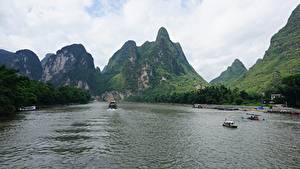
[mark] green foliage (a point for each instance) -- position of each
(117, 82)
(67, 94)
(290, 89)
(17, 91)
(208, 95)
(179, 84)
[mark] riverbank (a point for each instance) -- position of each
(274, 109)
(228, 107)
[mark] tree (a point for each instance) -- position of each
(290, 88)
(17, 91)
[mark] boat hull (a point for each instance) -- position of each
(230, 126)
(28, 108)
(112, 107)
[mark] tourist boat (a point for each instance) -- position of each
(253, 116)
(28, 108)
(230, 124)
(112, 105)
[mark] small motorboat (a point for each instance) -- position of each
(112, 105)
(230, 124)
(253, 116)
(28, 108)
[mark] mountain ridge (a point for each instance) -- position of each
(159, 66)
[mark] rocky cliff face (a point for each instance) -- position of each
(159, 63)
(71, 65)
(24, 61)
(280, 60)
(231, 74)
(47, 56)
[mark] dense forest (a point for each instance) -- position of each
(289, 87)
(216, 94)
(17, 91)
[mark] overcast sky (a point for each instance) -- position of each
(212, 33)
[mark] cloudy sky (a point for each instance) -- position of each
(212, 33)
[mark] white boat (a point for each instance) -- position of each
(229, 123)
(27, 108)
(252, 116)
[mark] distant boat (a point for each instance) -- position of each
(230, 124)
(112, 105)
(27, 108)
(253, 116)
(260, 108)
(295, 113)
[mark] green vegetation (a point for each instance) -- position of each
(281, 59)
(17, 91)
(180, 84)
(289, 87)
(210, 95)
(159, 66)
(231, 74)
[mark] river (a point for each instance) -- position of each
(147, 136)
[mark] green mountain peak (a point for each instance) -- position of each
(237, 62)
(158, 66)
(129, 43)
(231, 74)
(162, 34)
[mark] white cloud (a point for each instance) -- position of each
(212, 32)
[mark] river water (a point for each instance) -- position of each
(147, 136)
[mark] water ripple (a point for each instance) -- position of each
(147, 136)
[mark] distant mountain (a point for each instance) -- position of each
(280, 60)
(231, 74)
(159, 66)
(44, 60)
(24, 61)
(71, 65)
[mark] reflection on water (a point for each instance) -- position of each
(147, 136)
(71, 150)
